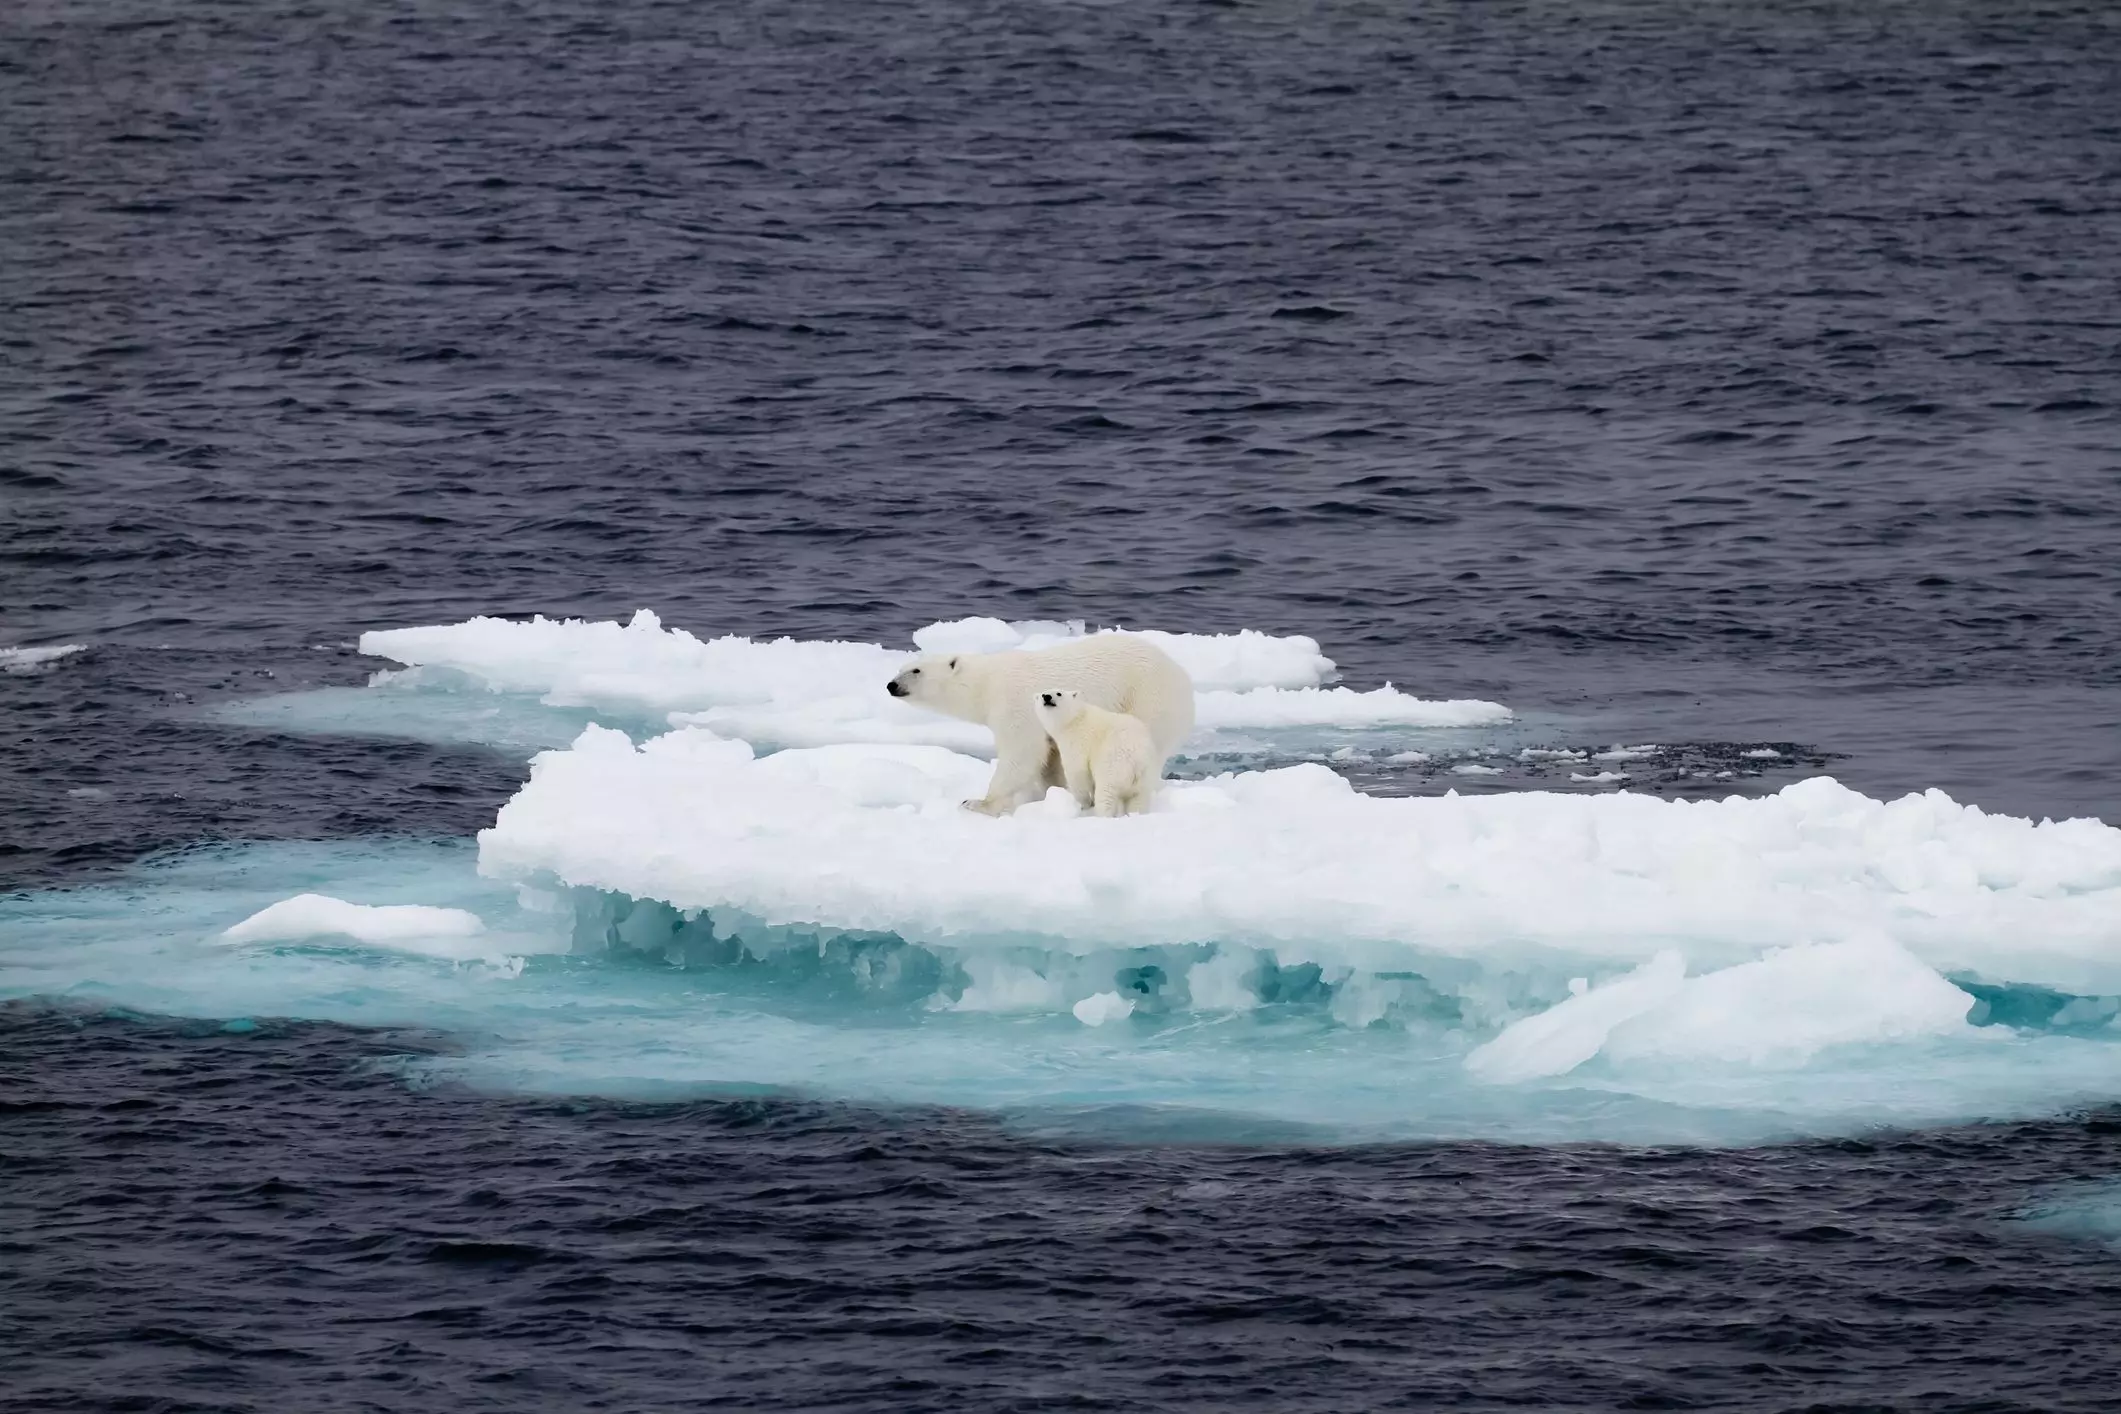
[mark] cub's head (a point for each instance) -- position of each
(933, 679)
(1058, 706)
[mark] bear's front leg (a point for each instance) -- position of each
(1076, 770)
(1011, 785)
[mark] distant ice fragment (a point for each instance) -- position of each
(1385, 706)
(1764, 753)
(1407, 758)
(1103, 1007)
(321, 916)
(1474, 768)
(1627, 753)
(1601, 778)
(21, 662)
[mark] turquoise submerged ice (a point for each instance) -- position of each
(678, 911)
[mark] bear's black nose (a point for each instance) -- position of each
(895, 688)
(1046, 697)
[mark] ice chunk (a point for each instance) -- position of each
(1339, 707)
(1599, 778)
(1627, 753)
(1558, 1040)
(640, 666)
(321, 916)
(1298, 861)
(1407, 758)
(1778, 1010)
(790, 693)
(1224, 1038)
(20, 662)
(1786, 1007)
(1763, 753)
(1474, 768)
(1104, 1007)
(2087, 1211)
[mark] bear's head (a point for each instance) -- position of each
(932, 680)
(1057, 706)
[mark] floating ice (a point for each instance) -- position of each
(1558, 1040)
(1339, 707)
(790, 693)
(1474, 768)
(1627, 753)
(321, 916)
(20, 662)
(1781, 1009)
(2087, 1212)
(588, 992)
(1103, 1007)
(684, 912)
(1600, 777)
(873, 838)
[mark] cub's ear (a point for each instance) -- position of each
(953, 665)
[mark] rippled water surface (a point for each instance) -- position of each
(1698, 374)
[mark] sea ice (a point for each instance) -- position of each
(321, 916)
(1103, 1007)
(21, 662)
(1780, 1009)
(1296, 861)
(1344, 707)
(1223, 1039)
(790, 693)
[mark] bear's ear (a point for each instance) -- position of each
(953, 665)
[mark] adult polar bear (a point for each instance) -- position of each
(1116, 671)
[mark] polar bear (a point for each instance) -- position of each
(1109, 759)
(1116, 671)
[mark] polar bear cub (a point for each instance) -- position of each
(1108, 759)
(1119, 672)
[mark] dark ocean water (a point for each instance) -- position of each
(1705, 373)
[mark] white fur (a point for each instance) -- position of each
(1108, 759)
(1115, 671)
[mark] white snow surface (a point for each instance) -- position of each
(794, 693)
(1295, 861)
(322, 916)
